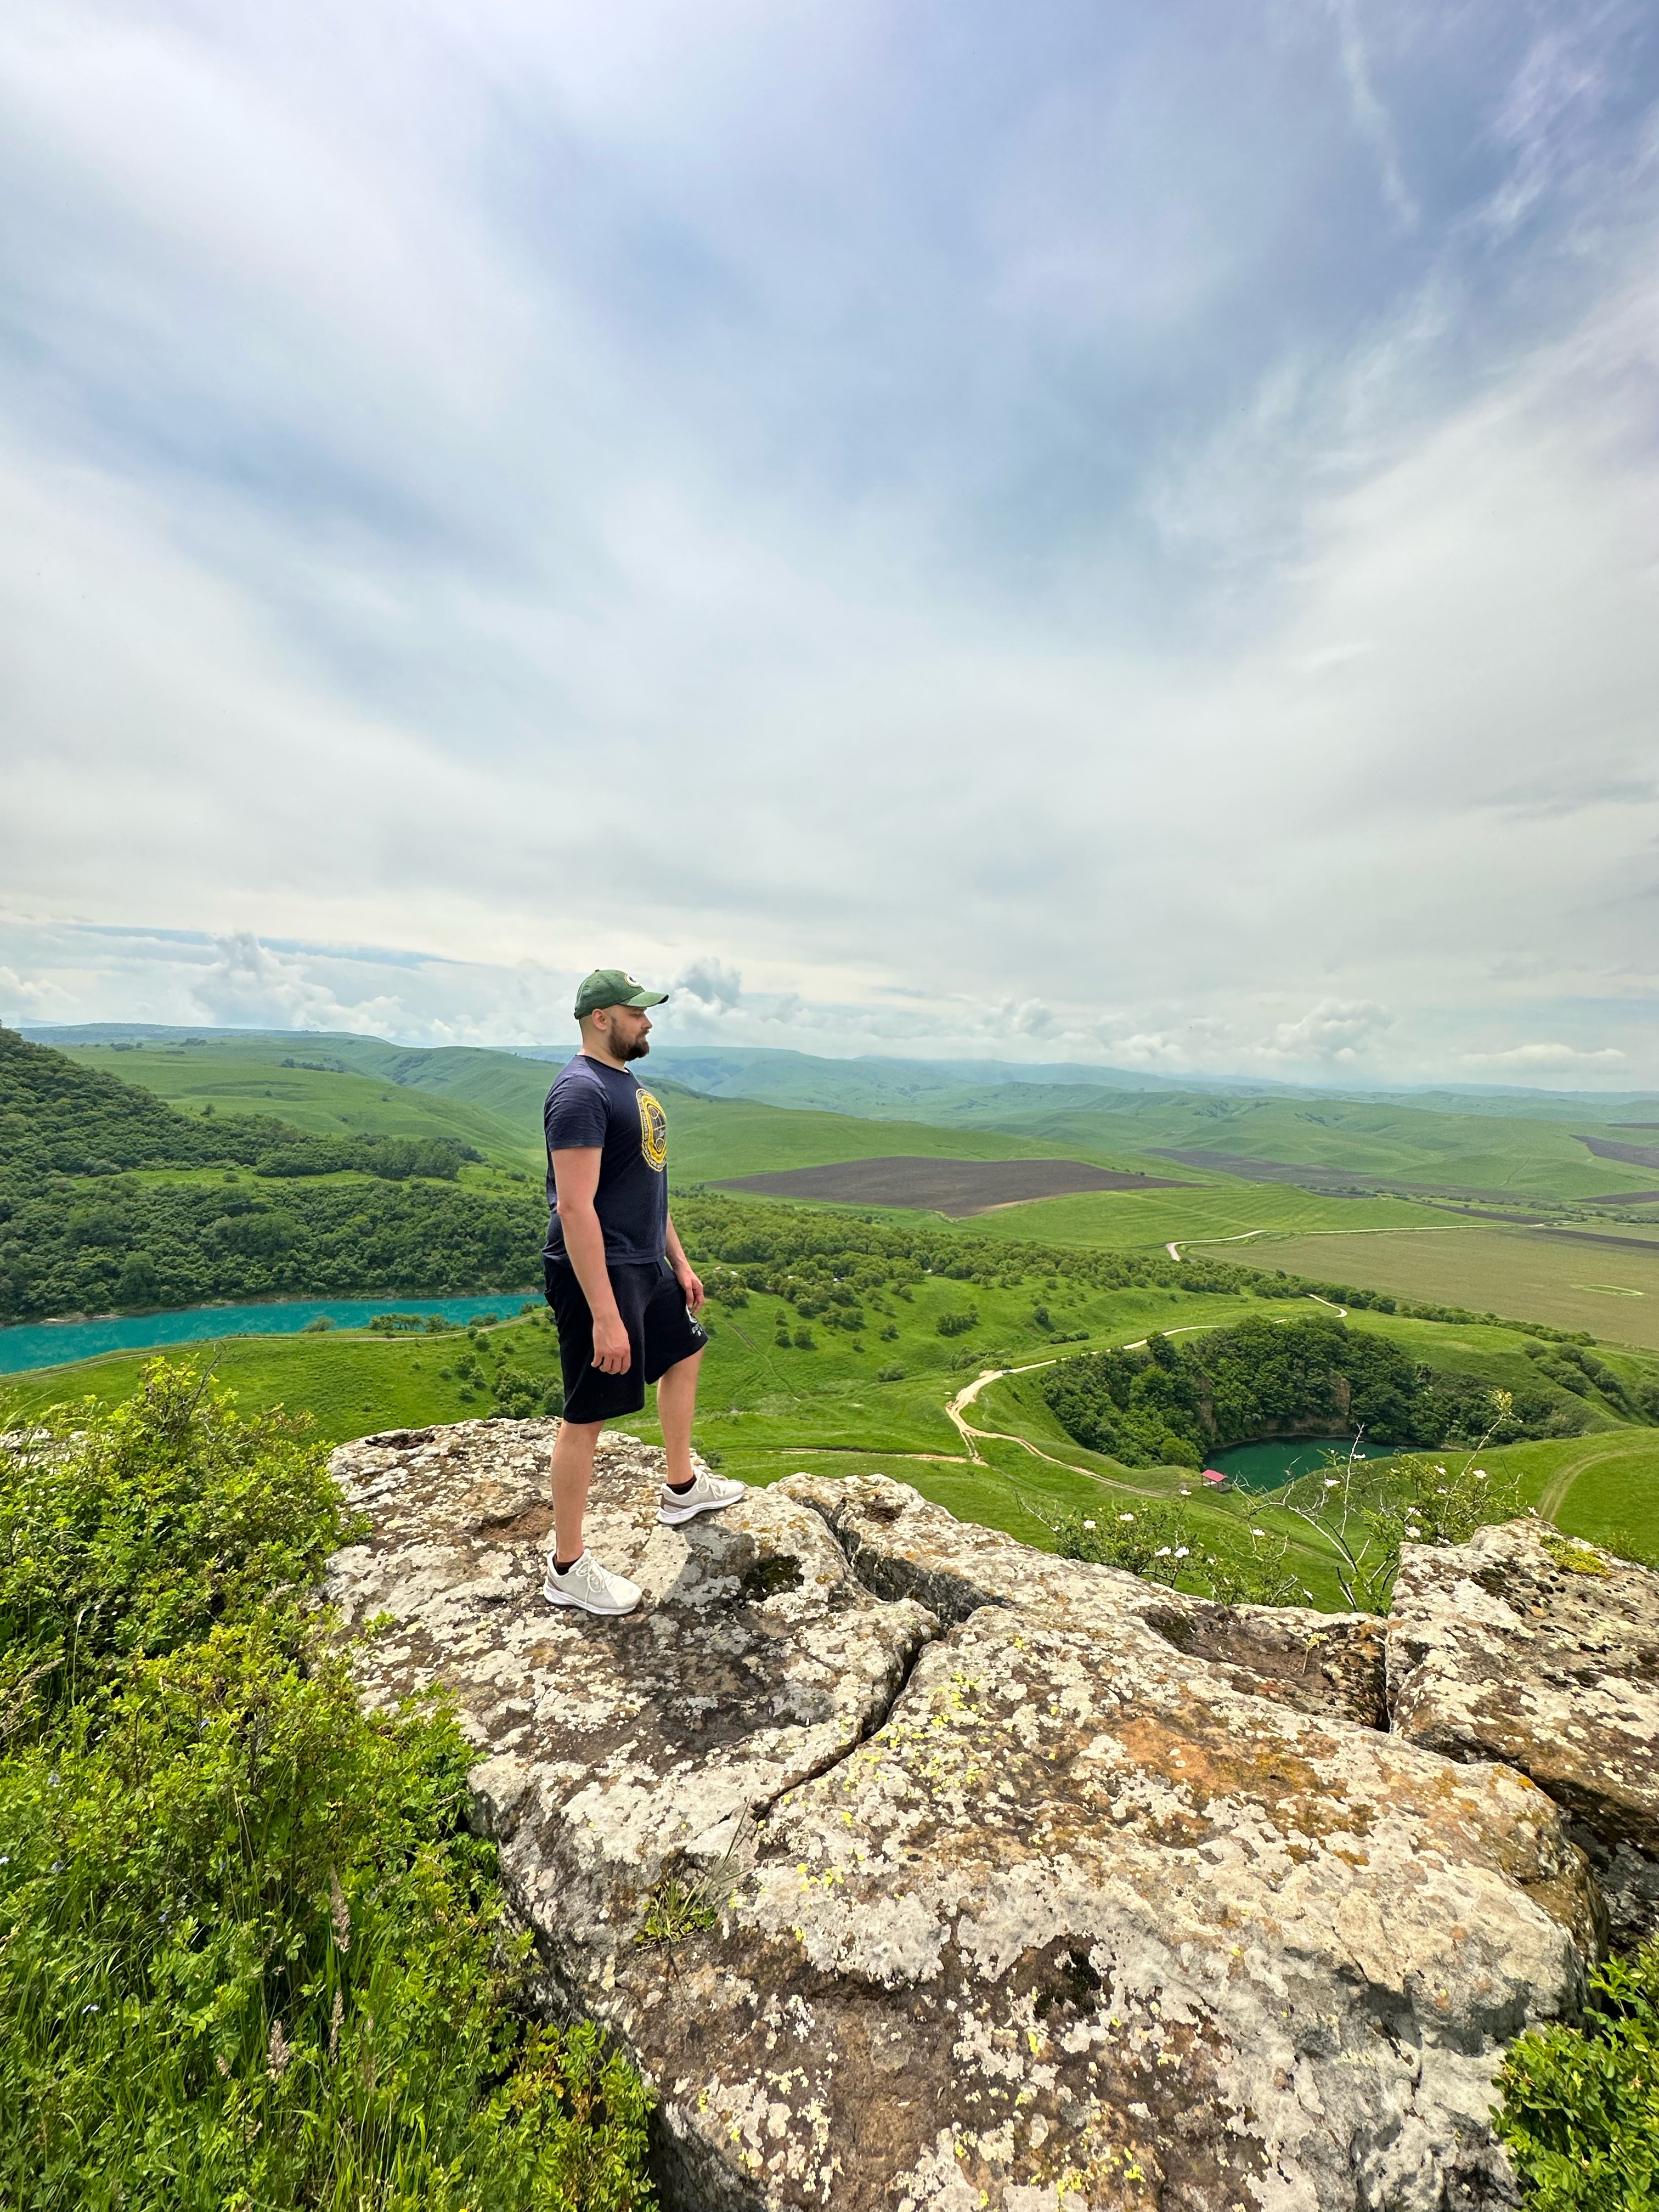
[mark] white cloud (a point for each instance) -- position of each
(1337, 1032)
(248, 986)
(712, 982)
(1537, 1057)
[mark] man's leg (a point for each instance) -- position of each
(676, 1405)
(573, 1472)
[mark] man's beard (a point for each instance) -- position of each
(637, 1050)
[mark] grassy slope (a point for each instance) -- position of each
(493, 1101)
(1612, 1291)
(1220, 1209)
(236, 1078)
(769, 1412)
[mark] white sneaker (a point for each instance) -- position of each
(590, 1587)
(708, 1494)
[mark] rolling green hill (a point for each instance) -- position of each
(354, 1086)
(1515, 1147)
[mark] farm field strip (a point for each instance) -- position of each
(1613, 1292)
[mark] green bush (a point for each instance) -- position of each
(250, 1955)
(132, 1531)
(1580, 2106)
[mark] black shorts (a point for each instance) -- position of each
(660, 1334)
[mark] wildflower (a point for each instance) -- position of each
(279, 2053)
(1181, 1551)
(1088, 1524)
(1126, 1517)
(1258, 1532)
(1480, 1474)
(1162, 1553)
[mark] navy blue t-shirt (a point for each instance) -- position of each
(593, 1105)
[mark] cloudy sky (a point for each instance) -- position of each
(1122, 534)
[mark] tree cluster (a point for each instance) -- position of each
(1168, 1404)
(130, 1244)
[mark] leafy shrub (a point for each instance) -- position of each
(1157, 1542)
(249, 1956)
(958, 1324)
(1580, 2106)
(523, 1395)
(132, 1532)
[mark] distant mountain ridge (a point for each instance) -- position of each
(778, 1075)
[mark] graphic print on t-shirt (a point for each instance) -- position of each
(653, 1131)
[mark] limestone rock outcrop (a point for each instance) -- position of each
(915, 1869)
(1532, 1647)
(900, 1545)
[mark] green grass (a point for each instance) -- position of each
(1611, 1291)
(1219, 1209)
(493, 1101)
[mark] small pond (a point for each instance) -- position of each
(1272, 1462)
(51, 1343)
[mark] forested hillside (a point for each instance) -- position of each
(60, 1119)
(109, 1198)
(187, 1243)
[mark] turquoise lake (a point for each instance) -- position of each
(51, 1343)
(1275, 1461)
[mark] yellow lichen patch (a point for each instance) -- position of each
(1574, 1558)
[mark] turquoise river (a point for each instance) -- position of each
(53, 1343)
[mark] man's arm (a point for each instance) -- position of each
(684, 1274)
(575, 1178)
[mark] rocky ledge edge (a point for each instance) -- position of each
(915, 1867)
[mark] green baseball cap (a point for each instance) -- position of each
(613, 987)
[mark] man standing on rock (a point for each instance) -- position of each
(623, 1294)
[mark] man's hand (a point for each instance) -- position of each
(691, 1284)
(612, 1352)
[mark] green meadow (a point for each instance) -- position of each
(769, 1409)
(1611, 1289)
(1217, 1209)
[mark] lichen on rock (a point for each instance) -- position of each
(1527, 1646)
(1036, 1886)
